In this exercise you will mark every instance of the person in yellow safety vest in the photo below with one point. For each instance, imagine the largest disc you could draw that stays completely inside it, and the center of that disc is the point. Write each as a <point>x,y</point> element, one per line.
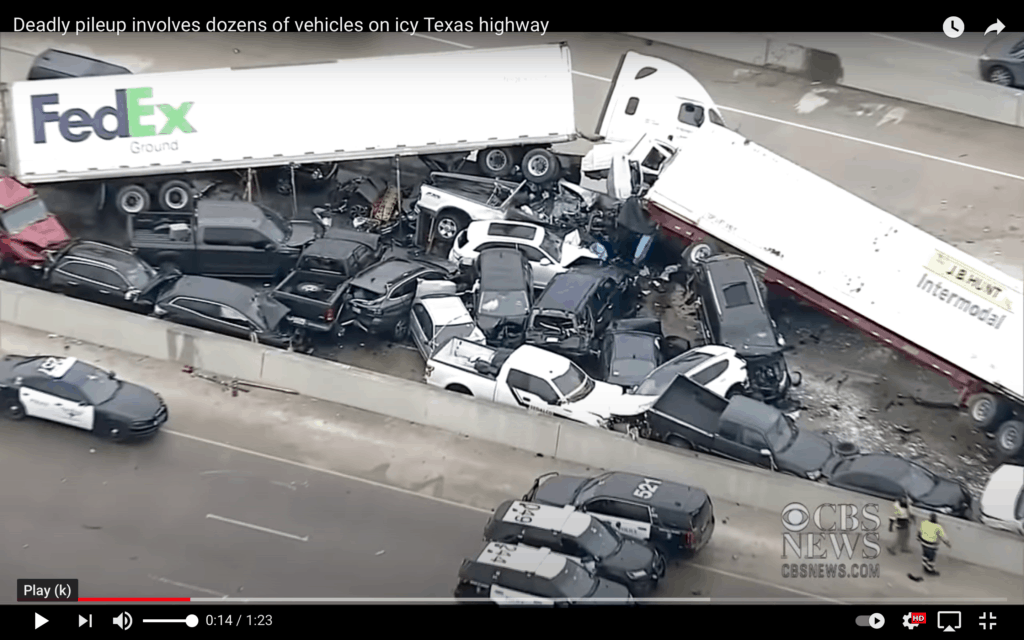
<point>901,521</point>
<point>931,533</point>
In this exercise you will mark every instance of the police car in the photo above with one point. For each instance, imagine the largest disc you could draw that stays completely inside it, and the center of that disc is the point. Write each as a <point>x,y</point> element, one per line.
<point>519,574</point>
<point>669,516</point>
<point>581,536</point>
<point>80,395</point>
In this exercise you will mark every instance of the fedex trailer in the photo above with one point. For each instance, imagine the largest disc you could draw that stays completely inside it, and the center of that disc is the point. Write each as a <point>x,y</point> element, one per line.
<point>142,134</point>
<point>868,268</point>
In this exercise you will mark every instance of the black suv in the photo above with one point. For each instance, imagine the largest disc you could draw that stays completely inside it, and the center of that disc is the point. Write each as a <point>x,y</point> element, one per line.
<point>504,295</point>
<point>581,536</point>
<point>577,306</point>
<point>734,313</point>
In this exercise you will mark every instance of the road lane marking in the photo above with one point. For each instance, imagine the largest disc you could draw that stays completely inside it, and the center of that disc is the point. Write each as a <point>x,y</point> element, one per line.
<point>843,136</point>
<point>451,503</point>
<point>211,516</point>
<point>189,586</point>
<point>926,46</point>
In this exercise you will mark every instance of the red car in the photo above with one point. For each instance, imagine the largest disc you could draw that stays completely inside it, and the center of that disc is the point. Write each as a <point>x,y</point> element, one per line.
<point>27,228</point>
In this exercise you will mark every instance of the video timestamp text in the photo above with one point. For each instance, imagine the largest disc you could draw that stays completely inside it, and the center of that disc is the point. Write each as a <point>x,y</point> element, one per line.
<point>240,620</point>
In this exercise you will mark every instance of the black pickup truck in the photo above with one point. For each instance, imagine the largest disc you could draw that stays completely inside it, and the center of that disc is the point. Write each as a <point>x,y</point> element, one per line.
<point>743,429</point>
<point>314,290</point>
<point>222,238</point>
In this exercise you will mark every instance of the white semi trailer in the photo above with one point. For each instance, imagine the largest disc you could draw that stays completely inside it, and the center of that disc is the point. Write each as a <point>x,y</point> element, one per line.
<point>935,304</point>
<point>142,135</point>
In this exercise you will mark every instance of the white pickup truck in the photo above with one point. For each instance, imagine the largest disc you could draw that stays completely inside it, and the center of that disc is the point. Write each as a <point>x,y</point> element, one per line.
<point>532,378</point>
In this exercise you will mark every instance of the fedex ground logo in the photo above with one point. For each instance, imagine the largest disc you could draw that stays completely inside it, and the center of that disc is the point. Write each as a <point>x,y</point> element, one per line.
<point>133,115</point>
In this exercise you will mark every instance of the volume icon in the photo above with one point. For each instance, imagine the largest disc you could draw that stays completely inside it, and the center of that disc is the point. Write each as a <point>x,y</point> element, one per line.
<point>124,621</point>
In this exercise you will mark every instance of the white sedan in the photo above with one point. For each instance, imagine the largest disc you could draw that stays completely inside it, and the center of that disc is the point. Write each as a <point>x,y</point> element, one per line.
<point>548,254</point>
<point>438,315</point>
<point>716,368</point>
<point>1002,502</point>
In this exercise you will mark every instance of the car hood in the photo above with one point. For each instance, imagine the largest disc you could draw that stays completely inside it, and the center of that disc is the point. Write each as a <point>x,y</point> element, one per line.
<point>947,493</point>
<point>632,556</point>
<point>132,402</point>
<point>558,491</point>
<point>573,250</point>
<point>45,234</point>
<point>607,400</point>
<point>303,232</point>
<point>751,344</point>
<point>1001,47</point>
<point>810,452</point>
<point>1002,492</point>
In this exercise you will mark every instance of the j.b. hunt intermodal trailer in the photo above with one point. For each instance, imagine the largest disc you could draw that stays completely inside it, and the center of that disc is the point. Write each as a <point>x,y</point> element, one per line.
<point>934,303</point>
<point>144,129</point>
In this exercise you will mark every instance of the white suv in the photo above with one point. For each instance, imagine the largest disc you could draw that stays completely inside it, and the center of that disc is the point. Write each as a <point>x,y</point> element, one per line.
<point>548,254</point>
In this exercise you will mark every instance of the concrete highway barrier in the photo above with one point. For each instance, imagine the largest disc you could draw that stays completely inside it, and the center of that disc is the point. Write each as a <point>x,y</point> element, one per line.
<point>432,407</point>
<point>923,76</point>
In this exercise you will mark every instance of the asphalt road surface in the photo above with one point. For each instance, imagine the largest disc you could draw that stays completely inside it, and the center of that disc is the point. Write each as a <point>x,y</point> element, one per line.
<point>267,495</point>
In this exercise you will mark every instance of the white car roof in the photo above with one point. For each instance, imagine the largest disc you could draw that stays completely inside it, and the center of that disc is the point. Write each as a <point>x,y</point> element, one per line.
<point>541,361</point>
<point>446,310</point>
<point>1001,492</point>
<point>55,367</point>
<point>478,233</point>
<point>561,519</point>
<point>542,562</point>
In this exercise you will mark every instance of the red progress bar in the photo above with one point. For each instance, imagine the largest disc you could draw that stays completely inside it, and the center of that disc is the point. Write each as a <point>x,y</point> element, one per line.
<point>135,599</point>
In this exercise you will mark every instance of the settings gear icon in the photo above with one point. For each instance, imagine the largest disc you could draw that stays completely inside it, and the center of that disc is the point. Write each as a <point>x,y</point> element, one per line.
<point>908,624</point>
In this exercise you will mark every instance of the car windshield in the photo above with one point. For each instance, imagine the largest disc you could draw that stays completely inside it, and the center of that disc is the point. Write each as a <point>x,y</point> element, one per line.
<point>917,482</point>
<point>574,581</point>
<point>274,226</point>
<point>24,216</point>
<point>94,383</point>
<point>551,245</point>
<point>659,379</point>
<point>139,274</point>
<point>599,541</point>
<point>504,303</point>
<point>574,384</point>
<point>782,435</point>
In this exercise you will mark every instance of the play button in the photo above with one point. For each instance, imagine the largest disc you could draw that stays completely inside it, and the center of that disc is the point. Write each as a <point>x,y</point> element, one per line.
<point>876,621</point>
<point>40,621</point>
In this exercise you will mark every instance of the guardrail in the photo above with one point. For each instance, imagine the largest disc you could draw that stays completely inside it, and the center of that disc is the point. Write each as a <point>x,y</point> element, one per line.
<point>943,89</point>
<point>432,407</point>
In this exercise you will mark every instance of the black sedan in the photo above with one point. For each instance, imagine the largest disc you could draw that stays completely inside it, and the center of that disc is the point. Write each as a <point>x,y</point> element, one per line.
<point>1002,62</point>
<point>631,349</point>
<point>379,300</point>
<point>226,307</point>
<point>80,395</point>
<point>504,295</point>
<point>890,477</point>
<point>106,274</point>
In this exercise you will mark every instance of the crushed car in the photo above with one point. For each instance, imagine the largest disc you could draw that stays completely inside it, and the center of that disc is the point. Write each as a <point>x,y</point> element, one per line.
<point>547,252</point>
<point>28,231</point>
<point>226,307</point>
<point>717,369</point>
<point>577,306</point>
<point>106,274</point>
<point>314,290</point>
<point>503,296</point>
<point>378,300</point>
<point>733,312</point>
<point>439,315</point>
<point>530,378</point>
<point>743,429</point>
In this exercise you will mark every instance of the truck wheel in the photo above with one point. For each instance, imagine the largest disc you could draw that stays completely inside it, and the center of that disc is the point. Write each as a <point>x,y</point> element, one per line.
<point>458,388</point>
<point>1010,438</point>
<point>175,195</point>
<point>986,410</point>
<point>847,449</point>
<point>449,224</point>
<point>540,166</point>
<point>132,199</point>
<point>401,330</point>
<point>495,163</point>
<point>698,252</point>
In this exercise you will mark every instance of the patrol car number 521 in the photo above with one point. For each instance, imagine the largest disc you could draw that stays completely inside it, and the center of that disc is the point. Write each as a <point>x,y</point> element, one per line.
<point>80,395</point>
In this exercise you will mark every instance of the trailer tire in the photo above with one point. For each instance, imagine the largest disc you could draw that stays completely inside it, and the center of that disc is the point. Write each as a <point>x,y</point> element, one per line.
<point>540,166</point>
<point>496,163</point>
<point>449,223</point>
<point>698,252</point>
<point>1010,439</point>
<point>847,449</point>
<point>132,199</point>
<point>175,195</point>
<point>986,410</point>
